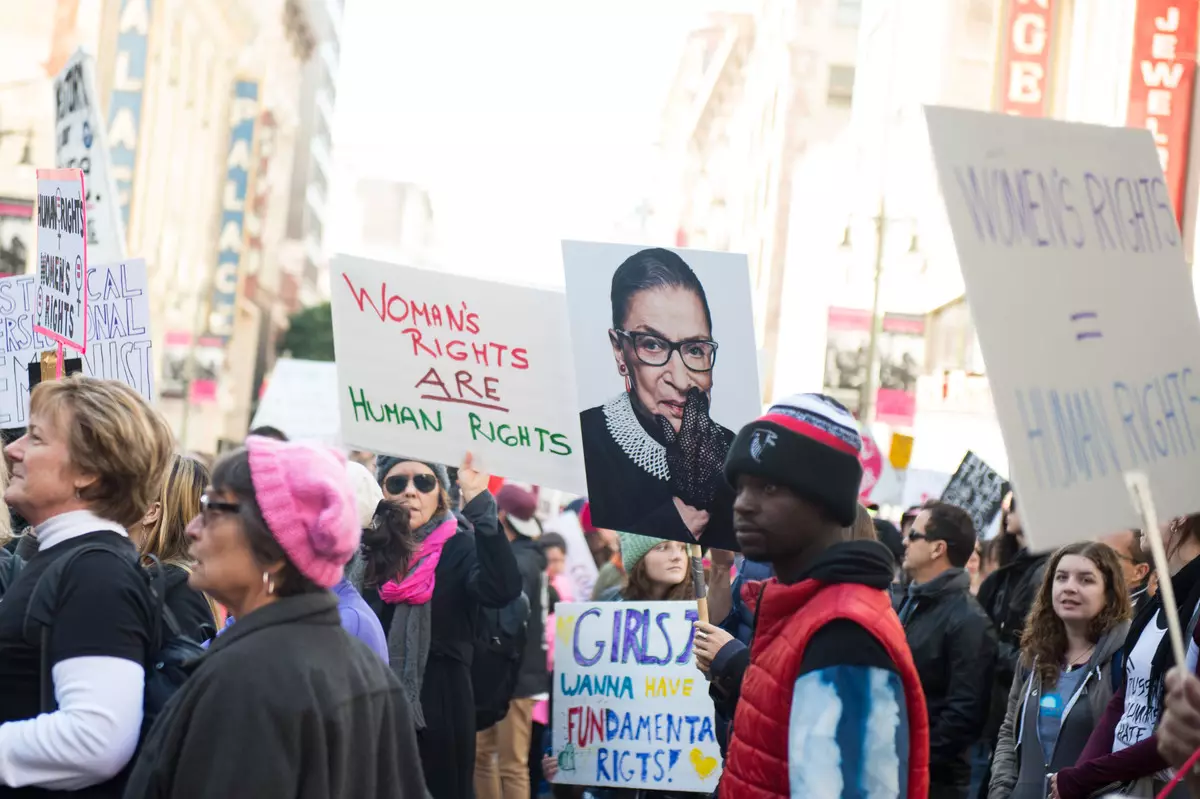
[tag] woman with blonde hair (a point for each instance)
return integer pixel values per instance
(1064, 681)
(160, 535)
(71, 693)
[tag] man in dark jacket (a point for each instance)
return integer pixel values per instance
(952, 643)
(502, 750)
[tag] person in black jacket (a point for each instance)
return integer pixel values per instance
(952, 642)
(1007, 597)
(431, 612)
(502, 750)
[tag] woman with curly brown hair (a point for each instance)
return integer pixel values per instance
(1123, 749)
(1064, 678)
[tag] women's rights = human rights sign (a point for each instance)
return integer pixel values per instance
(433, 365)
(631, 710)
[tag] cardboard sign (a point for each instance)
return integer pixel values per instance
(1072, 226)
(581, 567)
(79, 143)
(978, 489)
(301, 399)
(432, 365)
(630, 708)
(120, 346)
(60, 311)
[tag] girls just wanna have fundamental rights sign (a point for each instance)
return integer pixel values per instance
(434, 365)
(630, 708)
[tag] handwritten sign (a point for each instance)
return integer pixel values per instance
(1072, 226)
(433, 365)
(120, 346)
(978, 489)
(79, 142)
(60, 311)
(630, 708)
(302, 400)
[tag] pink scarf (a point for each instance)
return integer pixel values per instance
(417, 586)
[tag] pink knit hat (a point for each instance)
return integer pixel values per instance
(308, 504)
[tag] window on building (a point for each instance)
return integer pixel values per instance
(848, 13)
(841, 85)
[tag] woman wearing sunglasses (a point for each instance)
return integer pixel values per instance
(654, 456)
(429, 611)
(285, 703)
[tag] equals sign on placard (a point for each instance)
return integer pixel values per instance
(1088, 319)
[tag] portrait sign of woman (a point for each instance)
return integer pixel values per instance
(653, 453)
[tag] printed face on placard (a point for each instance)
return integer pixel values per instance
(666, 372)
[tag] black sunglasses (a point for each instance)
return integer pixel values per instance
(913, 535)
(208, 506)
(398, 483)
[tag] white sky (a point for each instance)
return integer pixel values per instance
(527, 120)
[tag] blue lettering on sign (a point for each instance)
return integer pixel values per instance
(125, 103)
(621, 767)
(243, 112)
(1077, 435)
(1028, 207)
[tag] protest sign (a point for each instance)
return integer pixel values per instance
(432, 365)
(872, 465)
(120, 346)
(301, 399)
(630, 708)
(60, 310)
(1071, 226)
(581, 566)
(666, 367)
(79, 142)
(978, 489)
(922, 485)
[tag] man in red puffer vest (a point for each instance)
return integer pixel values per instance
(831, 706)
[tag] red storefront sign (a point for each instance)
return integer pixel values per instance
(1026, 47)
(1160, 86)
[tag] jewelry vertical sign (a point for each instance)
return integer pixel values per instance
(61, 306)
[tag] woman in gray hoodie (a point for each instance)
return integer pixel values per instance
(1069, 650)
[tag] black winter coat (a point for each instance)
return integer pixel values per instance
(1007, 597)
(285, 705)
(954, 648)
(534, 677)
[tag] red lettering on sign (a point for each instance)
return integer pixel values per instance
(1026, 46)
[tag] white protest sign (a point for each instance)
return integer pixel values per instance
(60, 308)
(79, 142)
(1075, 273)
(630, 708)
(433, 365)
(302, 400)
(120, 346)
(581, 566)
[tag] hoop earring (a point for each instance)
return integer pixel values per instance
(628, 384)
(268, 584)
(624, 370)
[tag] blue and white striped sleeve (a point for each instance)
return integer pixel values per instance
(848, 730)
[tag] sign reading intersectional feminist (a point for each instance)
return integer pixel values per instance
(79, 143)
(1071, 227)
(433, 365)
(60, 310)
(120, 346)
(630, 708)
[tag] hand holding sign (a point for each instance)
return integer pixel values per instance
(472, 482)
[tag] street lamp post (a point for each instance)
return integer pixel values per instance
(866, 399)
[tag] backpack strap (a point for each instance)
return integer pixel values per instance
(40, 612)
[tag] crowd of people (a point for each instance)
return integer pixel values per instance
(287, 622)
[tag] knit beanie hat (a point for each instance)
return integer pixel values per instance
(308, 505)
(809, 443)
(367, 493)
(634, 547)
(384, 464)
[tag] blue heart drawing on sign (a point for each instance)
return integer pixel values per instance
(87, 135)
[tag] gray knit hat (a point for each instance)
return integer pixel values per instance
(384, 464)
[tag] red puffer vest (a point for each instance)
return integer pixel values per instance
(757, 763)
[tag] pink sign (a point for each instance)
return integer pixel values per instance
(872, 463)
